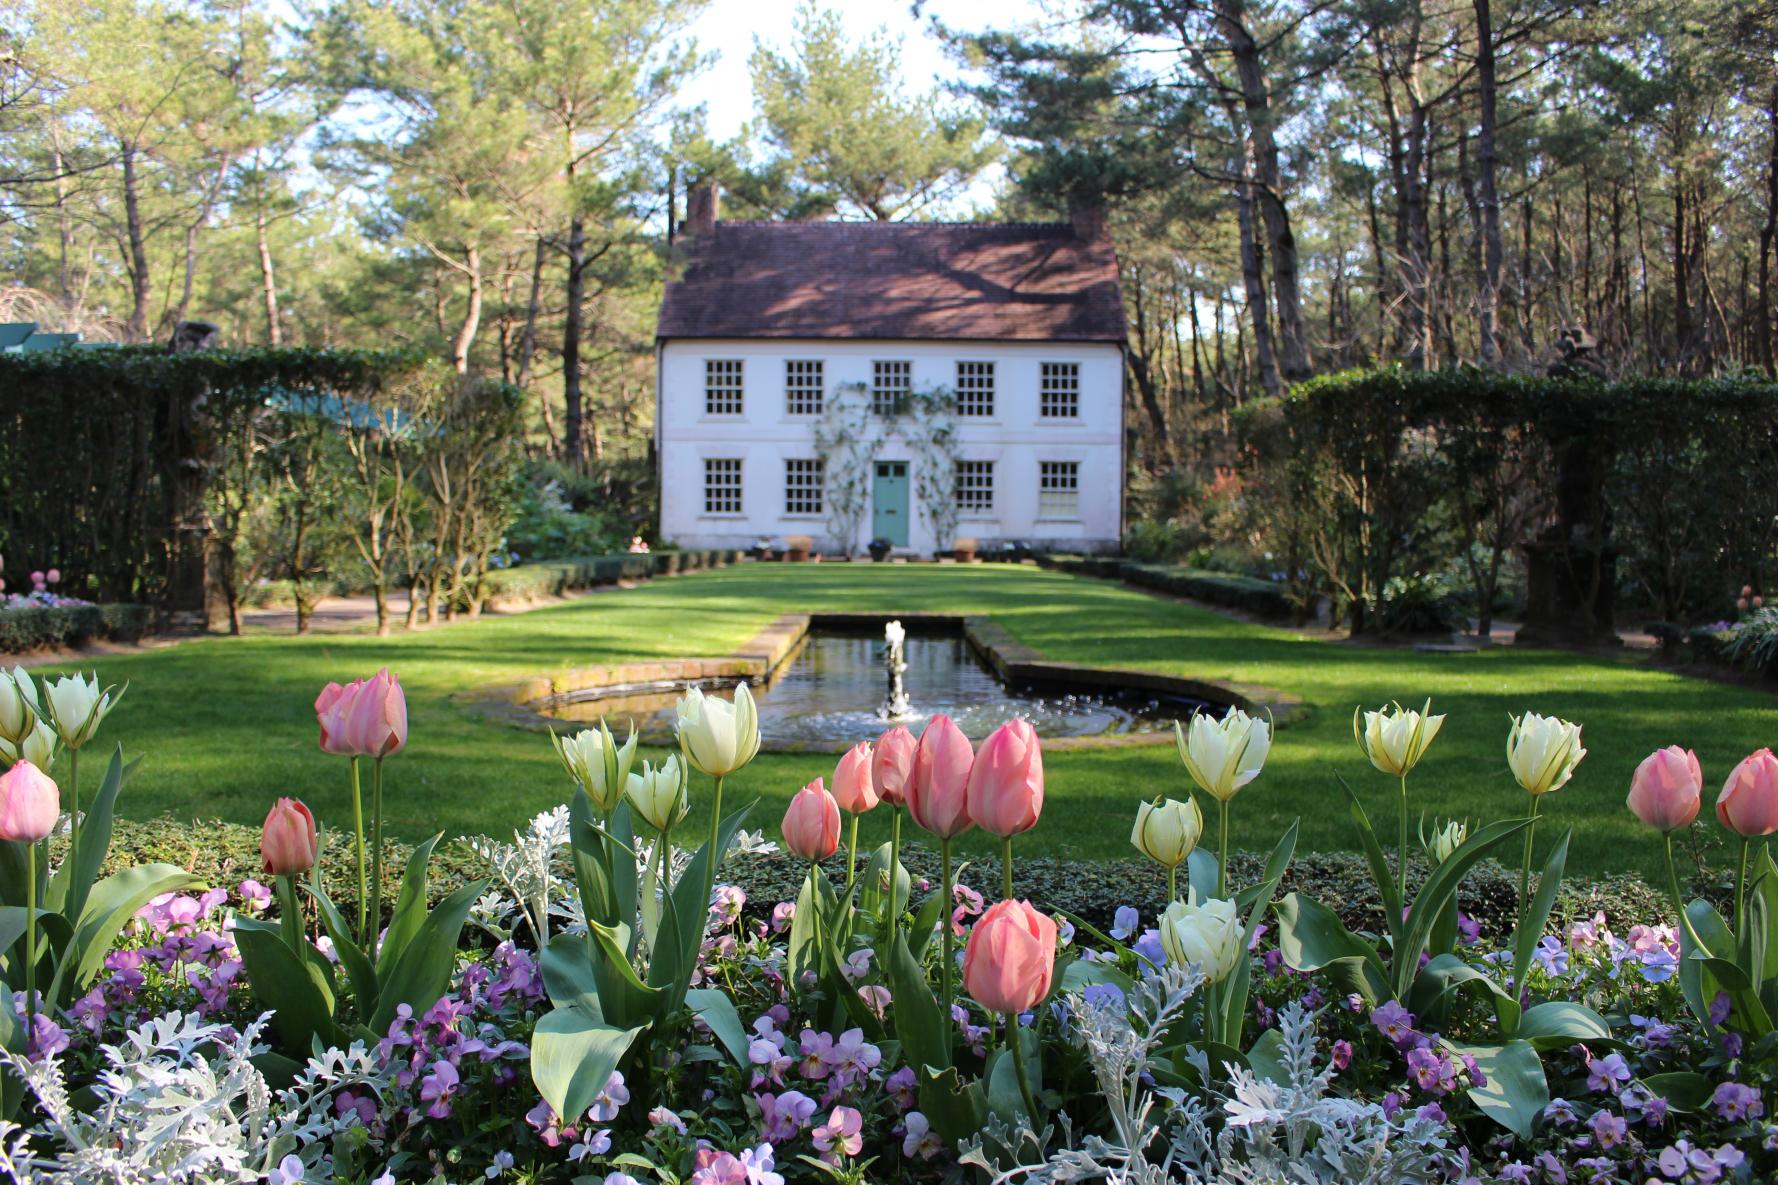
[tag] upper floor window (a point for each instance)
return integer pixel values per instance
(803, 483)
(975, 388)
(1058, 489)
(804, 381)
(975, 487)
(722, 485)
(722, 386)
(891, 384)
(1058, 392)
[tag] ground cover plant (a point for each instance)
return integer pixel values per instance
(602, 1006)
(219, 722)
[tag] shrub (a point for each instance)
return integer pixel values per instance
(1262, 598)
(70, 625)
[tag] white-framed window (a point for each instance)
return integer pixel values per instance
(804, 481)
(975, 388)
(890, 385)
(722, 485)
(805, 379)
(1058, 391)
(1058, 489)
(975, 487)
(722, 386)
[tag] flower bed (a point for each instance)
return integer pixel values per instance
(600, 999)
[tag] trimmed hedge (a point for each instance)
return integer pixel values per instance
(1262, 598)
(70, 625)
(220, 853)
(549, 578)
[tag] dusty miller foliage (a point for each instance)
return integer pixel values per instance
(179, 1100)
(1260, 1132)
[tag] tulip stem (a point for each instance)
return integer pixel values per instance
(1401, 857)
(1172, 883)
(74, 804)
(376, 856)
(1014, 1038)
(1741, 893)
(892, 916)
(290, 915)
(852, 855)
(1006, 868)
(714, 857)
(31, 942)
(944, 920)
(1222, 841)
(358, 834)
(1525, 864)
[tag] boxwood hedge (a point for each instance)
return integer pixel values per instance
(35, 626)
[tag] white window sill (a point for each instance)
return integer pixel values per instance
(1058, 421)
(724, 516)
(1052, 518)
(787, 516)
(978, 516)
(735, 417)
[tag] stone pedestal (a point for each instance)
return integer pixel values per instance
(1570, 595)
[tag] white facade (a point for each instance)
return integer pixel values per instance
(738, 470)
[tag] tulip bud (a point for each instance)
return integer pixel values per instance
(716, 736)
(938, 796)
(1543, 751)
(76, 707)
(1666, 789)
(1011, 958)
(892, 765)
(1006, 781)
(288, 843)
(812, 823)
(30, 803)
(1223, 755)
(17, 697)
(1167, 831)
(1748, 804)
(1444, 841)
(853, 787)
(1207, 936)
(39, 747)
(658, 795)
(1395, 739)
(594, 759)
(1740, 604)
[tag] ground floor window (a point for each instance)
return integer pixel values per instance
(803, 486)
(1058, 489)
(975, 487)
(722, 485)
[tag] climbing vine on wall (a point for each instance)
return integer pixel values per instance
(851, 432)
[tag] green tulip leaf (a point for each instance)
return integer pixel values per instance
(573, 1054)
(717, 1011)
(422, 971)
(291, 986)
(410, 906)
(931, 915)
(1684, 1090)
(924, 1030)
(1202, 874)
(957, 1109)
(1557, 1024)
(360, 972)
(67, 891)
(109, 907)
(1312, 937)
(567, 968)
(1516, 1092)
(1439, 888)
(1531, 927)
(1387, 886)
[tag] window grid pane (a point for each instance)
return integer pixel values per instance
(1058, 489)
(975, 487)
(891, 384)
(975, 388)
(722, 485)
(1059, 391)
(804, 381)
(722, 386)
(803, 484)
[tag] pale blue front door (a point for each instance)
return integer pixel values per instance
(889, 503)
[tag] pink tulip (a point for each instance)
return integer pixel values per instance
(53, 576)
(1006, 783)
(287, 843)
(1741, 604)
(1666, 788)
(892, 764)
(29, 803)
(1748, 804)
(1011, 958)
(812, 824)
(852, 784)
(938, 797)
(365, 718)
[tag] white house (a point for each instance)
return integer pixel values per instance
(915, 382)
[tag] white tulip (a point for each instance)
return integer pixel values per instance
(76, 707)
(1444, 841)
(1223, 755)
(1396, 739)
(593, 758)
(1166, 832)
(716, 736)
(18, 698)
(1207, 936)
(39, 747)
(658, 795)
(1543, 751)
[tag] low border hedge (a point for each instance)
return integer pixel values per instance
(38, 626)
(533, 581)
(1230, 590)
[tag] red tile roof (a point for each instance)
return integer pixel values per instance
(918, 280)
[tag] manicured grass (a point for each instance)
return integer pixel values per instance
(225, 724)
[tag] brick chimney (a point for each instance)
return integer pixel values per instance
(1087, 215)
(701, 203)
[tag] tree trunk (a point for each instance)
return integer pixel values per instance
(1762, 345)
(1487, 191)
(472, 315)
(268, 281)
(1254, 280)
(141, 289)
(571, 429)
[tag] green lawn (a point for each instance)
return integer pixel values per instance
(225, 724)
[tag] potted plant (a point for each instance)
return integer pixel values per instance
(797, 547)
(879, 549)
(963, 549)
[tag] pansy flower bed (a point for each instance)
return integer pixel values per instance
(604, 1007)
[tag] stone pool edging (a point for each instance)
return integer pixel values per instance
(757, 658)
